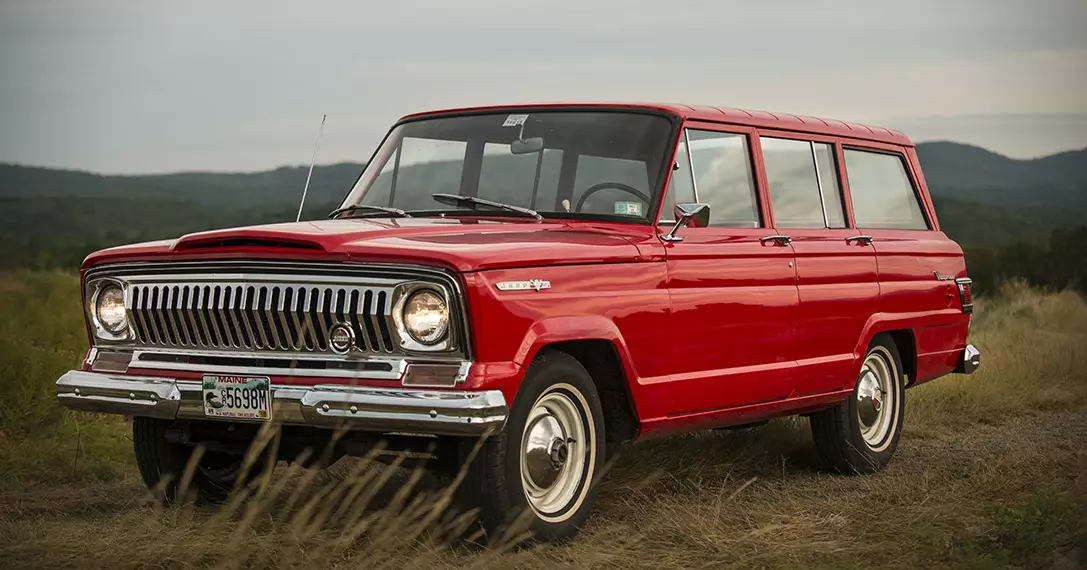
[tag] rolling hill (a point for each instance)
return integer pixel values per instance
(51, 217)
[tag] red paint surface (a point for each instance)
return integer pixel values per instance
(718, 329)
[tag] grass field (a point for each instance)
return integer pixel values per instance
(991, 472)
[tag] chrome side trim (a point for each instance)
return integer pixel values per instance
(969, 360)
(440, 412)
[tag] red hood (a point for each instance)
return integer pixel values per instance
(462, 244)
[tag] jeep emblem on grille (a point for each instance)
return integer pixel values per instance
(341, 338)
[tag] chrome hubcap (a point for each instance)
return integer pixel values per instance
(546, 451)
(556, 452)
(876, 405)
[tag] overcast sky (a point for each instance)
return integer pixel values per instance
(145, 86)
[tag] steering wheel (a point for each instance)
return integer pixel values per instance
(605, 185)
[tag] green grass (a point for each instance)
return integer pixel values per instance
(991, 472)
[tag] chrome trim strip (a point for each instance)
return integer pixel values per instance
(819, 183)
(690, 164)
(441, 412)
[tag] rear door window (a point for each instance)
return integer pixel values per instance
(882, 193)
(804, 189)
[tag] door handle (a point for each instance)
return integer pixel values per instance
(779, 240)
(863, 240)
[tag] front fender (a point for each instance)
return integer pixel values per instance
(624, 304)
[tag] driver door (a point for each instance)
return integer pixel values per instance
(732, 291)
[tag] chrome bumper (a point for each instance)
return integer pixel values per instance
(969, 360)
(441, 412)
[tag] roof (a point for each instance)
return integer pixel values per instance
(725, 115)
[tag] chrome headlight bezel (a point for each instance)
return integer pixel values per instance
(102, 332)
(408, 341)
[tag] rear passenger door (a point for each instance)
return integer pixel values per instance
(732, 292)
(836, 270)
(917, 264)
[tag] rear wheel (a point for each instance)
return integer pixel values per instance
(538, 474)
(162, 465)
(860, 434)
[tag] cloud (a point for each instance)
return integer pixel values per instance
(123, 87)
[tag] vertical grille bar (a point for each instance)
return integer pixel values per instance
(207, 313)
(298, 303)
(246, 304)
(200, 303)
(142, 334)
(263, 298)
(230, 299)
(150, 301)
(376, 316)
(164, 316)
(181, 300)
(383, 322)
(283, 304)
(223, 315)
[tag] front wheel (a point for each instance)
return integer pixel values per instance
(538, 474)
(162, 465)
(860, 434)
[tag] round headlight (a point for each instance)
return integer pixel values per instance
(426, 317)
(109, 309)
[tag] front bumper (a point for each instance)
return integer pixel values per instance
(439, 412)
(969, 360)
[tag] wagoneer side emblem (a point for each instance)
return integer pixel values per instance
(531, 284)
(341, 338)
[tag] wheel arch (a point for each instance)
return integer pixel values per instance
(601, 359)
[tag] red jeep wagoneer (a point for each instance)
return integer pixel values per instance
(558, 278)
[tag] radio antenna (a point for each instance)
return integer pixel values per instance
(313, 160)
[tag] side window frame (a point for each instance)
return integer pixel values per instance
(837, 158)
(755, 163)
(923, 205)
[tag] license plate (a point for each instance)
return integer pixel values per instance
(237, 397)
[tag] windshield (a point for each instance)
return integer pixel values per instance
(604, 165)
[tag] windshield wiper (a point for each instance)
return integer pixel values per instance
(394, 211)
(457, 199)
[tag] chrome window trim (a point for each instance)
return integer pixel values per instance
(690, 162)
(818, 184)
(291, 273)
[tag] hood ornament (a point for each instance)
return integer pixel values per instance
(530, 285)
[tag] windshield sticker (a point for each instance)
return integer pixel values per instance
(628, 208)
(515, 120)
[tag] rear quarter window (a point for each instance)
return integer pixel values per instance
(882, 193)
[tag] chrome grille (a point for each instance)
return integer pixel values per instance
(278, 317)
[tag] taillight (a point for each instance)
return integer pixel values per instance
(965, 298)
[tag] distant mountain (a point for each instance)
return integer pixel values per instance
(953, 166)
(236, 189)
(52, 217)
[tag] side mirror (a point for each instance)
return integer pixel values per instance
(527, 146)
(691, 215)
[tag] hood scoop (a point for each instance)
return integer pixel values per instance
(215, 242)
